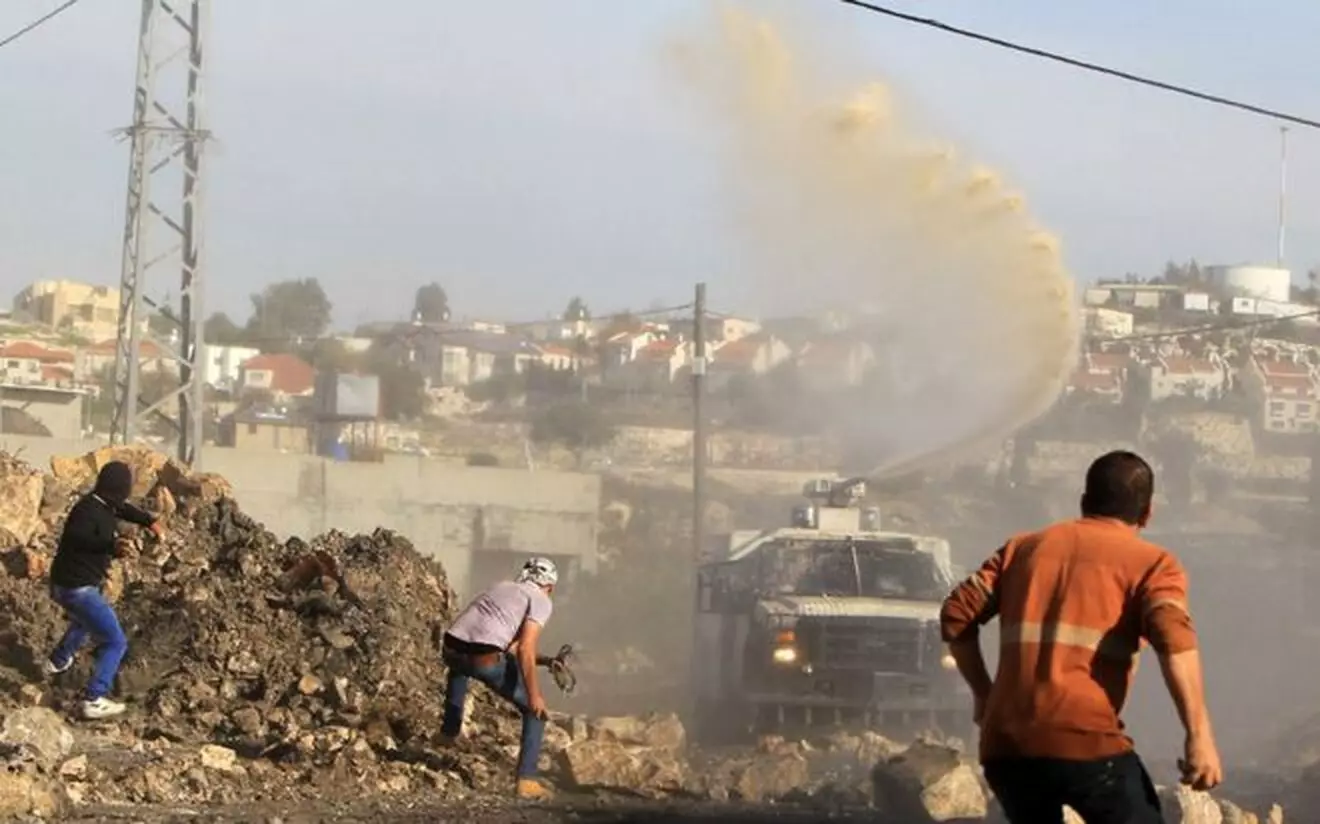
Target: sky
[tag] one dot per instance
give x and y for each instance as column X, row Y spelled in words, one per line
column 523, row 152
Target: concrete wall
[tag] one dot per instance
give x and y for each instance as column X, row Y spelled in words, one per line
column 60, row 412
column 446, row 511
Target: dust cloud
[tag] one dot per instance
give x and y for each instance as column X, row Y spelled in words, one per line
column 847, row 211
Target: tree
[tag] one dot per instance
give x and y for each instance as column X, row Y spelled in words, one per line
column 574, row 425
column 431, row 305
column 577, row 311
column 288, row 311
column 219, row 330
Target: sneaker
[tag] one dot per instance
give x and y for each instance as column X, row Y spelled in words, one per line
column 49, row 667
column 446, row 741
column 529, row 789
column 101, row 708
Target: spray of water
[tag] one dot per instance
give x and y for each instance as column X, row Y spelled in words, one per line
column 964, row 302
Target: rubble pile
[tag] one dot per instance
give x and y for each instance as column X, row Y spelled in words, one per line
column 302, row 657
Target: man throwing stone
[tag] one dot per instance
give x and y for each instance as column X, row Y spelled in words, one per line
column 494, row 640
column 1075, row 601
column 87, row 545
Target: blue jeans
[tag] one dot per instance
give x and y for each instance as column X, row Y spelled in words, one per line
column 505, row 678
column 90, row 614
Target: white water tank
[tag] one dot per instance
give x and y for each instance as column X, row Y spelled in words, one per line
column 1265, row 282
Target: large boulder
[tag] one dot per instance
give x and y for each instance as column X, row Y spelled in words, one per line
column 21, row 493
column 929, row 782
column 605, row 763
column 660, row 732
column 39, row 731
column 771, row 776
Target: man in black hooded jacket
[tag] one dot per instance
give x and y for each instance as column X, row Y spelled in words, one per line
column 87, row 546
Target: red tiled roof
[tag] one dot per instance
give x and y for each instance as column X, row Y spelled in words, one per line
column 1291, row 385
column 557, row 351
column 1282, row 367
column 23, row 350
column 1099, row 382
column 1106, row 361
column 290, row 374
column 1189, row 366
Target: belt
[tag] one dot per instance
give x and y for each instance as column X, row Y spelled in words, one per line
column 475, row 659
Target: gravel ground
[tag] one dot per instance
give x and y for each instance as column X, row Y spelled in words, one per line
column 581, row 811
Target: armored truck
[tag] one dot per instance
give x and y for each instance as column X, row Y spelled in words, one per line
column 831, row 620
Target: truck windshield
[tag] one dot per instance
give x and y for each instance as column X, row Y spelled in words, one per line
column 850, row 569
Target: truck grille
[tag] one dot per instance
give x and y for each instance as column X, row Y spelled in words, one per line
column 874, row 645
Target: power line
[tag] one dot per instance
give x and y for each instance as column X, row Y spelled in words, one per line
column 68, row 4
column 1212, row 327
column 1082, row 64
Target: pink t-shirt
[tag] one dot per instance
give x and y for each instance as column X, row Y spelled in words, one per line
column 495, row 616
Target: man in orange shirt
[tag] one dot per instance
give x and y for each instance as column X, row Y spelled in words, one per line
column 1075, row 602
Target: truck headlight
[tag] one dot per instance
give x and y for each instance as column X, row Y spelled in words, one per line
column 785, row 655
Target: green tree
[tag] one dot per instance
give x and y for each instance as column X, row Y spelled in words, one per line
column 577, row 311
column 574, row 425
column 290, row 310
column 431, row 305
column 220, row 330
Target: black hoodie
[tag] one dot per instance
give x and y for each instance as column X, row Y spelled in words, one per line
column 87, row 544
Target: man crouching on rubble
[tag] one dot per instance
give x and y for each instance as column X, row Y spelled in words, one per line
column 89, row 542
column 494, row 641
column 1075, row 601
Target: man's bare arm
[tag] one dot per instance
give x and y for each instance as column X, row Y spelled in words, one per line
column 1183, row 676
column 526, row 657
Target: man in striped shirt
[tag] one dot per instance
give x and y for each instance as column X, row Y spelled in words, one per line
column 1076, row 601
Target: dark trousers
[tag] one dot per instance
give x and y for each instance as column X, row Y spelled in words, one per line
column 1114, row 790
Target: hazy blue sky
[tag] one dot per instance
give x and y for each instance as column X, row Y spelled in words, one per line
column 523, row 151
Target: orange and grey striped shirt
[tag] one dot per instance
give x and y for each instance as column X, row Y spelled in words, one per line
column 1075, row 602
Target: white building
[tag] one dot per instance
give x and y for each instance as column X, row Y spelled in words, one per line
column 1263, row 282
column 223, row 364
column 1175, row 377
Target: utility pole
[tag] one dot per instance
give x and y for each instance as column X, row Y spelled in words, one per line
column 1283, row 189
column 167, row 138
column 699, row 424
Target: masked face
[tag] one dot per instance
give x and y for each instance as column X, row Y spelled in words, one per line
column 114, row 483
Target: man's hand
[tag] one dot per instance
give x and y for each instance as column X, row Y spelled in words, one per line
column 1200, row 765
column 536, row 704
column 157, row 530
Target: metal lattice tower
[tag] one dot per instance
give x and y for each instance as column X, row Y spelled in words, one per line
column 163, row 229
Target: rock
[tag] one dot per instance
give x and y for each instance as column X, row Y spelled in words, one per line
column 248, row 720
column 26, row 562
column 604, row 763
column 310, row 685
column 1183, row 805
column 771, row 777
column 40, row 731
column 599, row 763
column 929, row 782
column 20, row 506
column 1276, row 815
column 23, row 794
column 220, row 759
column 75, row 769
column 664, row 732
column 1070, row 816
